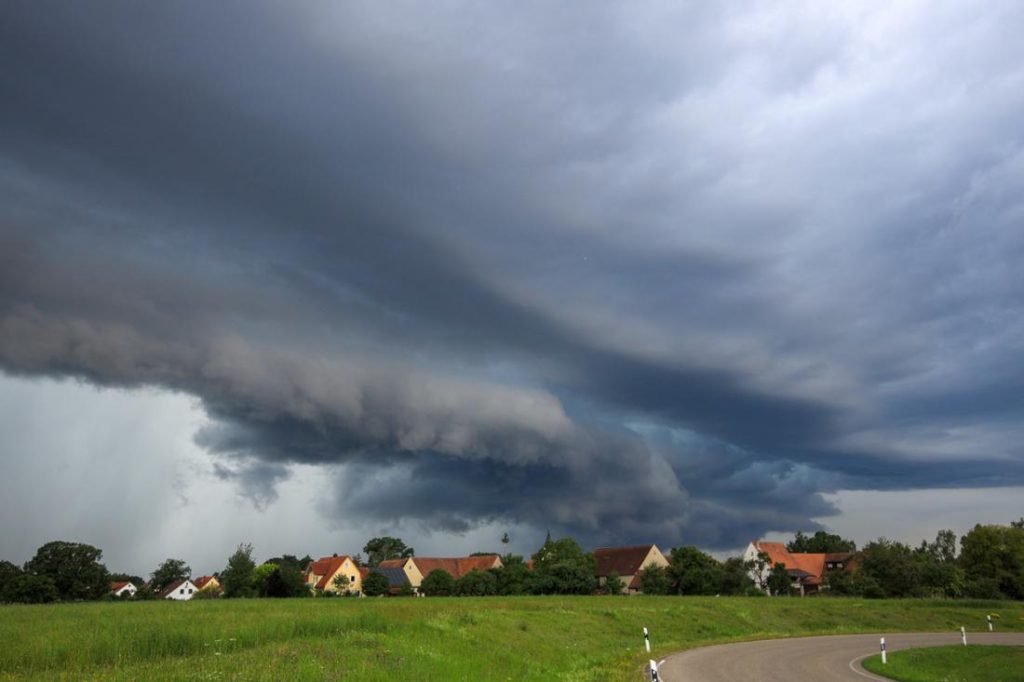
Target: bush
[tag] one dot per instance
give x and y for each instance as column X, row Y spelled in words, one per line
column 375, row 585
column 438, row 583
column 476, row 584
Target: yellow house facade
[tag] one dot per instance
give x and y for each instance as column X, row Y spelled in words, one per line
column 323, row 573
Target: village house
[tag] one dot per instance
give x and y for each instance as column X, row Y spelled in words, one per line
column 123, row 589
column 628, row 563
column 806, row 569
column 179, row 590
column 206, row 582
column 401, row 572
column 322, row 574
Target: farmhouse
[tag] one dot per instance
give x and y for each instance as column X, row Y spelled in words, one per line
column 401, row 572
column 806, row 570
column 628, row 563
column 455, row 566
column 207, row 582
column 123, row 589
column 322, row 573
column 179, row 590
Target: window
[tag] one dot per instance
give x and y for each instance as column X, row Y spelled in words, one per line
column 181, row 591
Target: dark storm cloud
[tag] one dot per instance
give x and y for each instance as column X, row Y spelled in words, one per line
column 495, row 263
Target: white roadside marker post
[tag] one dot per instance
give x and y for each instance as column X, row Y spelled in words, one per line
column 647, row 641
column 654, row 671
column 884, row 661
column 963, row 635
column 989, row 619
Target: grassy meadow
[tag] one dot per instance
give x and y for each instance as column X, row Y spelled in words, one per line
column 488, row 638
column 953, row 664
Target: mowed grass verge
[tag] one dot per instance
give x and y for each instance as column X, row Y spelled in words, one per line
column 493, row 638
column 952, row 664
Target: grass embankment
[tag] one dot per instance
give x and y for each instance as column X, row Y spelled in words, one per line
column 952, row 664
column 520, row 638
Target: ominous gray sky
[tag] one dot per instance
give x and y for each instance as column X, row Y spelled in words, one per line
column 671, row 272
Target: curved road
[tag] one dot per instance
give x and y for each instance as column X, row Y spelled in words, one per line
column 805, row 659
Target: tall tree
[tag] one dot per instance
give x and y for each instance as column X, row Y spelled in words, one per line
column 171, row 570
column 562, row 567
column 694, row 572
column 236, row 578
column 74, row 568
column 993, row 559
column 384, row 548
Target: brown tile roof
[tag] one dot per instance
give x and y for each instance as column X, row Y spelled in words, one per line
column 325, row 567
column 621, row 560
column 171, row 588
column 456, row 566
column 114, row 587
column 393, row 563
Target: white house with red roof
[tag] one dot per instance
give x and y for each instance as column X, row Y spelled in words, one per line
column 806, row 569
column 179, row 590
column 628, row 563
column 123, row 589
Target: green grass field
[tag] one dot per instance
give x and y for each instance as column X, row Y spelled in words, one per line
column 521, row 638
column 953, row 664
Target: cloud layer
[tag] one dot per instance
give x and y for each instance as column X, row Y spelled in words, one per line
column 644, row 272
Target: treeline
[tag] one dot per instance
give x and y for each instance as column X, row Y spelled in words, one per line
column 989, row 565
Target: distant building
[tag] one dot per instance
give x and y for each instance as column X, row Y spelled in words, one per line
column 123, row 589
column 206, row 582
column 454, row 566
column 628, row 563
column 179, row 590
column 322, row 573
column 806, row 569
column 410, row 573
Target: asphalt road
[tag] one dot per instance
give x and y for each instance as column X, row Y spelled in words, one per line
column 805, row 659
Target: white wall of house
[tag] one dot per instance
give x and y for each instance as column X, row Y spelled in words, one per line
column 183, row 592
column 128, row 590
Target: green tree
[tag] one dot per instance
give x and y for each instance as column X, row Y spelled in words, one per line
column 171, row 570
column 735, row 577
column 513, row 577
column 694, row 572
column 438, row 583
column 893, row 566
column 780, row 584
column 476, row 583
column 266, row 579
column 613, row 584
column 236, row 579
column 820, row 543
column 375, row 585
column 993, row 556
column 74, row 568
column 562, row 567
column 384, row 548
column 655, row 580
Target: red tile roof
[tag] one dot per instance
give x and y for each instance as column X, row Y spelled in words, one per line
column 621, row 560
column 456, row 566
column 114, row 587
column 325, row 567
column 393, row 563
column 201, row 581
